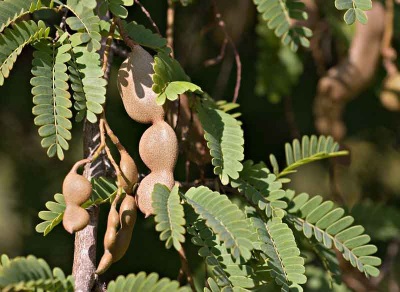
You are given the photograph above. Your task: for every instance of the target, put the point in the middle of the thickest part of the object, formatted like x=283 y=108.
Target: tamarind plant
x=249 y=228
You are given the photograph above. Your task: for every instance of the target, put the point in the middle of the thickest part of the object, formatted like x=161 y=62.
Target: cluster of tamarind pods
x=158 y=148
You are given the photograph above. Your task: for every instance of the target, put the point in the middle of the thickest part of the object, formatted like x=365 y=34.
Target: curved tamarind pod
x=127 y=215
x=145 y=189
x=129 y=169
x=75 y=218
x=390 y=95
x=134 y=84
x=105 y=262
x=117 y=243
x=158 y=147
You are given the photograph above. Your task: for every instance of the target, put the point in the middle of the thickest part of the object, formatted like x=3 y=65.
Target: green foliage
x=278 y=244
x=32 y=274
x=103 y=191
x=318 y=218
x=144 y=283
x=261 y=188
x=145 y=37
x=85 y=23
x=278 y=14
x=174 y=89
x=225 y=219
x=225 y=140
x=169 y=215
x=51 y=96
x=87 y=83
x=115 y=6
x=13 y=40
x=272 y=57
x=228 y=272
x=354 y=10
x=309 y=150
x=11 y=10
x=170 y=79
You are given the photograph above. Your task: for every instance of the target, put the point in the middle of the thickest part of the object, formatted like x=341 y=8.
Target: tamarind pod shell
x=128 y=212
x=76 y=188
x=75 y=218
x=129 y=169
x=122 y=243
x=112 y=226
x=134 y=84
x=145 y=189
x=105 y=262
x=158 y=147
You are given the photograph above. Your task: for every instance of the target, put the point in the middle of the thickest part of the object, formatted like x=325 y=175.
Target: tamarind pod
x=76 y=189
x=134 y=84
x=146 y=186
x=128 y=212
x=122 y=243
x=105 y=262
x=75 y=218
x=391 y=93
x=112 y=226
x=158 y=147
x=129 y=169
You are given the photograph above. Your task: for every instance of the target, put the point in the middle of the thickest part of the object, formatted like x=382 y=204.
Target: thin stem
x=221 y=24
x=108 y=46
x=147 y=13
x=388 y=52
x=128 y=41
x=220 y=57
x=170 y=25
x=185 y=268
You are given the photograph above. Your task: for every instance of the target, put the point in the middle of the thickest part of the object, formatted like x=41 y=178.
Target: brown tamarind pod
x=145 y=189
x=76 y=188
x=158 y=147
x=75 y=218
x=390 y=95
x=134 y=84
x=129 y=169
x=117 y=243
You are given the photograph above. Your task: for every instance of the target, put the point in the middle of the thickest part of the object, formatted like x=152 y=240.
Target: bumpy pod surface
x=129 y=169
x=158 y=146
x=134 y=84
x=76 y=191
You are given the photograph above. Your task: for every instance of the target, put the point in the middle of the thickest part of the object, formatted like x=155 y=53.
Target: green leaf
x=11 y=10
x=279 y=14
x=51 y=96
x=174 y=89
x=326 y=223
x=309 y=150
x=144 y=283
x=355 y=10
x=13 y=40
x=145 y=37
x=32 y=274
x=283 y=256
x=169 y=216
x=226 y=220
x=261 y=188
x=103 y=191
x=225 y=140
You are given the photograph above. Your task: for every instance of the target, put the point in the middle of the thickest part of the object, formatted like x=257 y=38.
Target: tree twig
x=185 y=268
x=221 y=24
x=388 y=52
x=147 y=13
x=128 y=41
x=219 y=58
x=170 y=25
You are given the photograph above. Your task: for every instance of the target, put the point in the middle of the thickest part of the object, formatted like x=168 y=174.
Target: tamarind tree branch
x=185 y=268
x=128 y=41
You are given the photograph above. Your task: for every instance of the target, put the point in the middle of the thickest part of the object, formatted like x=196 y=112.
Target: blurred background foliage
x=369 y=185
